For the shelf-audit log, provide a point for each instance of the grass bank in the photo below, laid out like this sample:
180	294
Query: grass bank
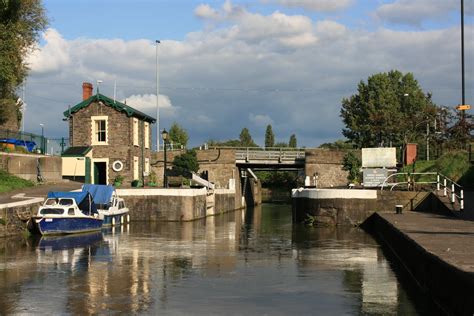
455	165
9	182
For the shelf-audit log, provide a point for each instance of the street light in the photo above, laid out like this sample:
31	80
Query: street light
42	138
164	136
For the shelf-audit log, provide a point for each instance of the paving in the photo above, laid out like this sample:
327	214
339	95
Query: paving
450	239
40	190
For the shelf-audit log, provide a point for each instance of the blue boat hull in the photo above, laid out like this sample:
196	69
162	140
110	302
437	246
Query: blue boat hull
70	225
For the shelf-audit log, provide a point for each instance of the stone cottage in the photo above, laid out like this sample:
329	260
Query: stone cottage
109	141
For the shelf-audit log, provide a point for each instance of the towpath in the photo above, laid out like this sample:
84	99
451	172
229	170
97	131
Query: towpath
40	190
450	239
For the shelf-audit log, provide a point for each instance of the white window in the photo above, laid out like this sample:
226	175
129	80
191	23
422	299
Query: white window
146	131
135	168
135	132
100	136
147	166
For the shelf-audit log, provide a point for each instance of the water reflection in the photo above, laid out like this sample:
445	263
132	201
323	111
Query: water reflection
247	262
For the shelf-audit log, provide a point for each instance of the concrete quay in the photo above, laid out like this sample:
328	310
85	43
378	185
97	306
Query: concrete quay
437	251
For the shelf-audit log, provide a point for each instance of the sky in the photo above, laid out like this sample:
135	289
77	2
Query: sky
226	65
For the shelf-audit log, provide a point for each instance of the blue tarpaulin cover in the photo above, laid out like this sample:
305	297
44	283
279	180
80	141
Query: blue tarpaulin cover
102	194
83	199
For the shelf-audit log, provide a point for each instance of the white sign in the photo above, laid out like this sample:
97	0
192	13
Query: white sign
379	157
374	177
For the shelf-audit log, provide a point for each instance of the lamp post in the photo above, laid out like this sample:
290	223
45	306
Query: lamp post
157	98
42	138
164	136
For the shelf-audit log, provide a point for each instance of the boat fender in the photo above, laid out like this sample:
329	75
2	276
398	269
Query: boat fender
113	221
128	218
122	219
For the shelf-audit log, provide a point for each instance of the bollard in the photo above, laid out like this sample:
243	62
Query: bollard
398	209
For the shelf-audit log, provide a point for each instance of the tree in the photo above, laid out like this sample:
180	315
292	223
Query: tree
178	134
390	107
21	23
246	139
269	137
293	143
281	145
186	162
338	144
352	164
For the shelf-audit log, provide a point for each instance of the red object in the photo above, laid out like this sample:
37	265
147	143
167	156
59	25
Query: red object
87	88
410	154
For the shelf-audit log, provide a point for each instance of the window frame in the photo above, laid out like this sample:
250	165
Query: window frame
94	134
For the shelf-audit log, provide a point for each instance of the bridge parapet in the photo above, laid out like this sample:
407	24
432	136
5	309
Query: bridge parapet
270	155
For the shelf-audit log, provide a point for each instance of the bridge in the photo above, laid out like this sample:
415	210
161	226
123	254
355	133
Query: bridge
270	158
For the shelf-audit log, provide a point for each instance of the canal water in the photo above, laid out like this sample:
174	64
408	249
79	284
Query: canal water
249	262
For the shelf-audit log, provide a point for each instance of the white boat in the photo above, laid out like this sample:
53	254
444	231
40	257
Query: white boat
66	213
109	205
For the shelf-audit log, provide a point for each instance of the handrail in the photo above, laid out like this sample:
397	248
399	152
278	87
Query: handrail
448	186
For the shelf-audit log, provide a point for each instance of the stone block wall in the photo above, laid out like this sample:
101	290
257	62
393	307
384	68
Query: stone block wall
327	165
13	219
119	135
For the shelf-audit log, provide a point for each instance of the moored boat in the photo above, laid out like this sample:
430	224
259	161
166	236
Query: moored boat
66	213
109	205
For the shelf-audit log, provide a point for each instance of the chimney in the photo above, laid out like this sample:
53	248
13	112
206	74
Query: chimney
87	89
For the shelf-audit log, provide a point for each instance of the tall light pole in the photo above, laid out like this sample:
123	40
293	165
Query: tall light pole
42	138
165	135
157	99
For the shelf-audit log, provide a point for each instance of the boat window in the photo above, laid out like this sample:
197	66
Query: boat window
52	211
70	211
51	202
66	202
121	204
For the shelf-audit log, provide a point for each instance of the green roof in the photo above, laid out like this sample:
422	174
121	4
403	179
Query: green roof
121	107
78	151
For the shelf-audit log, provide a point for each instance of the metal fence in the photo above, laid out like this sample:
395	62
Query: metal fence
48	146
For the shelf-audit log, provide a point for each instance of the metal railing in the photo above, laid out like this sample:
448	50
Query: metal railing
449	187
273	154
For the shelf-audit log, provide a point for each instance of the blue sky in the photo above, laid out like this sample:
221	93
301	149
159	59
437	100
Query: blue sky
225	65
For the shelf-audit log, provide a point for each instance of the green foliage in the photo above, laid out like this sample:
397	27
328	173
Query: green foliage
186	162
281	145
178	134
389	107
454	164
21	23
269	137
352	164
118	180
246	139
227	143
278	179
10	182
293	143
338	144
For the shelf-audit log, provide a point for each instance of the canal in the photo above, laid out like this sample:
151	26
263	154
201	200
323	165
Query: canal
249	262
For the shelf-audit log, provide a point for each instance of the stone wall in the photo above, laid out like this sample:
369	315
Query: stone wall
25	166
327	165
119	136
13	219
346	210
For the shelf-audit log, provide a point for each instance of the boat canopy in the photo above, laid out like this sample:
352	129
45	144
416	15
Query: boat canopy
84	200
102	194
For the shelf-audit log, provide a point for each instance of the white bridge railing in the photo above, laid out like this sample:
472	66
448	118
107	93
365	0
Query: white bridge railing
269	154
448	186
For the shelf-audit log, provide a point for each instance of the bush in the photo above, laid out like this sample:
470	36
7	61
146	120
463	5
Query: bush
352	164
186	162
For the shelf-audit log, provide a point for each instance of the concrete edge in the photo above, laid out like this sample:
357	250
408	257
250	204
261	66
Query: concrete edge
21	203
448	286
333	194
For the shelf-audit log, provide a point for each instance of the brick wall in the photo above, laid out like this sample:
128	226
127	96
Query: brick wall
327	164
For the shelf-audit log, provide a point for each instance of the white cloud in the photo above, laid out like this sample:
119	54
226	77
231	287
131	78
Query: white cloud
315	5
51	57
